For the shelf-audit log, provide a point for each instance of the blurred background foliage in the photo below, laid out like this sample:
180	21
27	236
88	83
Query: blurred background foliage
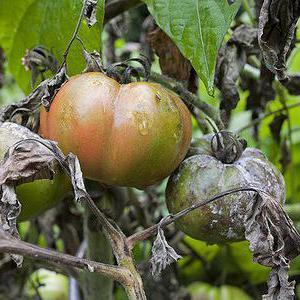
207	271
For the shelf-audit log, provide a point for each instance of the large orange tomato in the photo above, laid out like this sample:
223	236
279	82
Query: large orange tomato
129	135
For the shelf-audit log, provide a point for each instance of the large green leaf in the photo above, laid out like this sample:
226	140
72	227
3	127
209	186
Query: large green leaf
28	23
197	27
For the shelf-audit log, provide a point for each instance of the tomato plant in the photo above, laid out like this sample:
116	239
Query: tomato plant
129	135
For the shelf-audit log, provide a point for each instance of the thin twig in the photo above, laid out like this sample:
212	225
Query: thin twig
74	36
258	120
145	234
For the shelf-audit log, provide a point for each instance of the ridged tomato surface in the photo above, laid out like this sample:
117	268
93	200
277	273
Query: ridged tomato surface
129	135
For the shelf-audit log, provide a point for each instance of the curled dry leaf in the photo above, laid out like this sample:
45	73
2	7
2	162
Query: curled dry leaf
276	126
90	10
26	111
277	23
231	61
162	254
93	61
293	85
274	241
39	60
30	159
171	61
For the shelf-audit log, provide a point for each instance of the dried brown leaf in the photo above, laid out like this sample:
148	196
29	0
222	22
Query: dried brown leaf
90	10
231	61
274	241
171	61
277	23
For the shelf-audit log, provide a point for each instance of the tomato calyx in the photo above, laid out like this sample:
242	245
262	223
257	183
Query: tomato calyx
227	147
123	72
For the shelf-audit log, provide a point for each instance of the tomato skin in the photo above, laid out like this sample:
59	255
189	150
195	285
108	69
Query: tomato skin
202	176
40	195
127	135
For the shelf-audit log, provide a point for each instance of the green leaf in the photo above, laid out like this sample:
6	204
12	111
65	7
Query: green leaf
198	28
25	24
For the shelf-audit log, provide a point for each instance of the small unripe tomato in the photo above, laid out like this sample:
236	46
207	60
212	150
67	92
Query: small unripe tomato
39	195
48	284
202	176
128	135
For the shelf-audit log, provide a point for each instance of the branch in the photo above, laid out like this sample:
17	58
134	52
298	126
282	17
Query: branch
147	233
258	120
116	7
9	244
188	97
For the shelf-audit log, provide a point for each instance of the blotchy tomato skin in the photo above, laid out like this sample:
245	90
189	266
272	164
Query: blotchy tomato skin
128	135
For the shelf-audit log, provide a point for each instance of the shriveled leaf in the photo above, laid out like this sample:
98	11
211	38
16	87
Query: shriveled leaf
274	241
231	61
39	60
197	27
171	61
162	254
51	87
293	85
26	111
90	9
276	126
277	24
93	61
285	153
27	23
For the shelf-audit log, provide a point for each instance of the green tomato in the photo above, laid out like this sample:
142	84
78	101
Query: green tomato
50	285
40	195
202	176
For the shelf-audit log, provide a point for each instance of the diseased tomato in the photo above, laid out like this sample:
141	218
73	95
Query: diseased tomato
128	135
40	195
202	176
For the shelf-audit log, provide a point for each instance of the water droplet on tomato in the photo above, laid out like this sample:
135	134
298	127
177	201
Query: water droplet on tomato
142	122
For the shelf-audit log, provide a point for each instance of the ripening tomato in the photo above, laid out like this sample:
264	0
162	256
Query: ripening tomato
40	195
128	135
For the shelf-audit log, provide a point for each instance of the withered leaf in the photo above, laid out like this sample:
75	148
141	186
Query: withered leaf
38	60
171	61
232	58
274	241
276	125
162	254
277	23
293	85
285	153
90	10
26	111
93	61
27	160
51	86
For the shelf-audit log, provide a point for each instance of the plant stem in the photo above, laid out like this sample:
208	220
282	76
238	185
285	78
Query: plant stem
145	234
258	120
66	53
98	249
